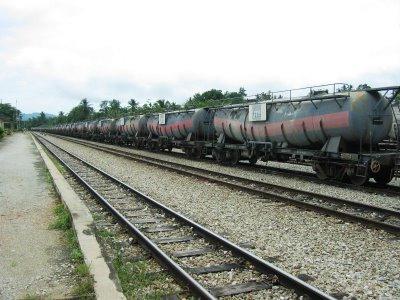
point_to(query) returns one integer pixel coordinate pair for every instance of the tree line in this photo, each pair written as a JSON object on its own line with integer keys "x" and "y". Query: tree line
{"x": 84, "y": 111}
{"x": 8, "y": 112}
{"x": 114, "y": 109}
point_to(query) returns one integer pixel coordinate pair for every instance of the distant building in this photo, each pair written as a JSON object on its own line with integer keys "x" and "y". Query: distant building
{"x": 5, "y": 122}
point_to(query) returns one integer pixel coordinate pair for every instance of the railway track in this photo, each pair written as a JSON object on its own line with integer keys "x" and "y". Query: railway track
{"x": 370, "y": 187}
{"x": 157, "y": 226}
{"x": 354, "y": 211}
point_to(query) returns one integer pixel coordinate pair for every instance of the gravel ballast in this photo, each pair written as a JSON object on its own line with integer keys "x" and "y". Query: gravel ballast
{"x": 378, "y": 198}
{"x": 333, "y": 255}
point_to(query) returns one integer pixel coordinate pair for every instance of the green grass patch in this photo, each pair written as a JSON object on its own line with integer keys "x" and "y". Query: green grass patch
{"x": 97, "y": 216}
{"x": 135, "y": 278}
{"x": 63, "y": 222}
{"x": 103, "y": 233}
{"x": 31, "y": 297}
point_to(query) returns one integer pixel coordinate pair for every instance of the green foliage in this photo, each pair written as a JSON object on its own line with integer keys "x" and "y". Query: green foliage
{"x": 215, "y": 97}
{"x": 397, "y": 99}
{"x": 104, "y": 233}
{"x": 84, "y": 286}
{"x": 345, "y": 88}
{"x": 363, "y": 86}
{"x": 113, "y": 108}
{"x": 81, "y": 112}
{"x": 136, "y": 279}
{"x": 63, "y": 218}
{"x": 37, "y": 121}
{"x": 9, "y": 112}
{"x": 317, "y": 92}
{"x": 1, "y": 132}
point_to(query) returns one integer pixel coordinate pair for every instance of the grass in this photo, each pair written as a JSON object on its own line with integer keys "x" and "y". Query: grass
{"x": 31, "y": 297}
{"x": 135, "y": 278}
{"x": 63, "y": 222}
{"x": 103, "y": 233}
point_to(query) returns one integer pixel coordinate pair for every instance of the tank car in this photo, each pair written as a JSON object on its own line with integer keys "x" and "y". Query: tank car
{"x": 307, "y": 124}
{"x": 137, "y": 130}
{"x": 187, "y": 130}
{"x": 121, "y": 126}
{"x": 107, "y": 129}
{"x": 343, "y": 135}
{"x": 323, "y": 130}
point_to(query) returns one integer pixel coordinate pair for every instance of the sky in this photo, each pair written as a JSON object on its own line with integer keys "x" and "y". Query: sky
{"x": 54, "y": 53}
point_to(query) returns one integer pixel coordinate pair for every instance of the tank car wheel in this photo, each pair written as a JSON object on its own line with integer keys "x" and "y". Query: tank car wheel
{"x": 214, "y": 154}
{"x": 384, "y": 176}
{"x": 233, "y": 158}
{"x": 152, "y": 146}
{"x": 253, "y": 160}
{"x": 320, "y": 172}
{"x": 358, "y": 180}
{"x": 198, "y": 153}
{"x": 219, "y": 156}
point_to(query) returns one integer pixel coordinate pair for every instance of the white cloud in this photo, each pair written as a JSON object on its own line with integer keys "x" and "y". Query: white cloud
{"x": 75, "y": 49}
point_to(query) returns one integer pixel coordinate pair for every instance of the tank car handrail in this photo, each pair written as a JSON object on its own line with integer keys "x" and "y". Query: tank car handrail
{"x": 310, "y": 87}
{"x": 378, "y": 89}
{"x": 278, "y": 101}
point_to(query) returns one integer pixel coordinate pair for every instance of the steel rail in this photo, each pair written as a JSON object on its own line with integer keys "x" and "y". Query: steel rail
{"x": 248, "y": 185}
{"x": 285, "y": 278}
{"x": 196, "y": 287}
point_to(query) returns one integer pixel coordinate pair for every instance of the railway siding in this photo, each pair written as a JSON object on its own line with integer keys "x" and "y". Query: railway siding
{"x": 334, "y": 255}
{"x": 379, "y": 197}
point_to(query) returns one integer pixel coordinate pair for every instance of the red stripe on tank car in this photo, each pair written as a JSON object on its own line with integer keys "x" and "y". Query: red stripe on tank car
{"x": 329, "y": 121}
{"x": 169, "y": 127}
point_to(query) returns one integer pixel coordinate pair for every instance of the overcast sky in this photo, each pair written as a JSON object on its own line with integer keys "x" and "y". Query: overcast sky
{"x": 54, "y": 53}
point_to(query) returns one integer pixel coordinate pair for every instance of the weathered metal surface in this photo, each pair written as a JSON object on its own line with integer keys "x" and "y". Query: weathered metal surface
{"x": 395, "y": 129}
{"x": 138, "y": 126}
{"x": 92, "y": 127}
{"x": 107, "y": 126}
{"x": 311, "y": 123}
{"x": 180, "y": 124}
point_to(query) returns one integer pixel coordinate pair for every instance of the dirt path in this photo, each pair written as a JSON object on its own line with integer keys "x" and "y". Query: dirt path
{"x": 34, "y": 260}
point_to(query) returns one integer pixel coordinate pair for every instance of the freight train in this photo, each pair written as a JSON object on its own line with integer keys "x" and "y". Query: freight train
{"x": 347, "y": 136}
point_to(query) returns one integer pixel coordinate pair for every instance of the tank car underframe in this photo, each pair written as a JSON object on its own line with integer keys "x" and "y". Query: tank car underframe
{"x": 344, "y": 166}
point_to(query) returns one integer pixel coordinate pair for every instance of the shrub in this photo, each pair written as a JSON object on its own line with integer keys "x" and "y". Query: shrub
{"x": 1, "y": 132}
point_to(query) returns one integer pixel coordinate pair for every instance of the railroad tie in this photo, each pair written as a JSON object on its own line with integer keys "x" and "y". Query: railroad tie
{"x": 230, "y": 290}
